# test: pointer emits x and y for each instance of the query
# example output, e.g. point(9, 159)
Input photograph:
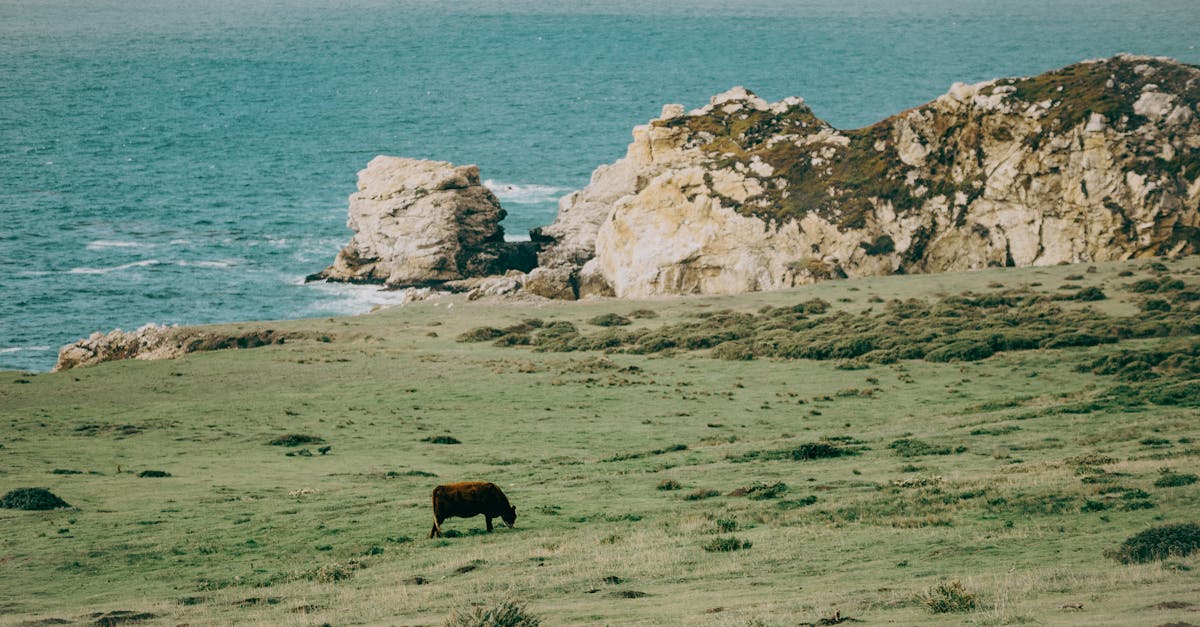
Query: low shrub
point(153, 473)
point(610, 320)
point(733, 351)
point(805, 452)
point(441, 439)
point(1173, 480)
point(1156, 304)
point(701, 493)
point(296, 439)
point(764, 491)
point(1089, 294)
point(668, 484)
point(962, 350)
point(947, 597)
point(32, 499)
point(504, 614)
point(480, 334)
point(721, 545)
point(643, 313)
point(908, 447)
point(1158, 543)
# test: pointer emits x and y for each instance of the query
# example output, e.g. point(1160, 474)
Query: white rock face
point(744, 195)
point(419, 222)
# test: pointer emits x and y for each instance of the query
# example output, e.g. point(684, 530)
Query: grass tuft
point(722, 545)
point(504, 614)
point(947, 597)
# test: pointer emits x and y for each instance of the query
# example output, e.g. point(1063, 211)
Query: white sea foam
point(124, 266)
point(516, 237)
point(226, 263)
point(17, 349)
point(104, 244)
point(350, 299)
point(518, 194)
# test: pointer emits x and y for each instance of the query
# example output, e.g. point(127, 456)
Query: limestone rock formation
point(420, 222)
point(1096, 161)
point(154, 341)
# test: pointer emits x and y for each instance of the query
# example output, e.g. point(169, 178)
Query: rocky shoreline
point(1097, 161)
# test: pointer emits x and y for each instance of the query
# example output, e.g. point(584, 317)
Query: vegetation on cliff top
point(844, 176)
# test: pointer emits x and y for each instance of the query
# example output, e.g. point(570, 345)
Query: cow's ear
point(514, 508)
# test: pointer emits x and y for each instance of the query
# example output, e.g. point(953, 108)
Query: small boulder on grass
point(32, 499)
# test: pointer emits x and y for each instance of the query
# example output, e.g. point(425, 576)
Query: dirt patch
point(32, 499)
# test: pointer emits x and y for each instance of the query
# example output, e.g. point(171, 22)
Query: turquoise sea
point(189, 162)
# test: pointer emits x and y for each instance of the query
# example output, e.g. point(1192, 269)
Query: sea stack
point(420, 222)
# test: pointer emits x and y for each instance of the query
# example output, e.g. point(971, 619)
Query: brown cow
point(470, 498)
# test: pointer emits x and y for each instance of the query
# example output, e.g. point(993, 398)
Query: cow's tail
point(437, 527)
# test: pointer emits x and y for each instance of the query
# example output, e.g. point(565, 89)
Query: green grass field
point(860, 481)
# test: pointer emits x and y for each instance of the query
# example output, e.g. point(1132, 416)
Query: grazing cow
point(470, 498)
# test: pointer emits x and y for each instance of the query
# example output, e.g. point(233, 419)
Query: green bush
point(668, 484)
point(908, 447)
point(764, 491)
point(1158, 543)
point(1089, 294)
point(1144, 285)
point(1156, 304)
point(720, 545)
point(503, 614)
point(33, 499)
point(701, 493)
point(643, 313)
point(610, 320)
point(733, 351)
point(480, 334)
point(296, 439)
point(1173, 480)
point(962, 350)
point(949, 596)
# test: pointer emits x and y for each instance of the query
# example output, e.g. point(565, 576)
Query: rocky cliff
point(422, 222)
point(1096, 161)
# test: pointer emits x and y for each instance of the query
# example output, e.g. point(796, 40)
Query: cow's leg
point(437, 528)
point(489, 522)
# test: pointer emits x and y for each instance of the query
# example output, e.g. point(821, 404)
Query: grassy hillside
point(851, 485)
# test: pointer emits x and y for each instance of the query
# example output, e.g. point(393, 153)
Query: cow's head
point(509, 517)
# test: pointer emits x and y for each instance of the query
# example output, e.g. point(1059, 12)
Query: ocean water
point(189, 162)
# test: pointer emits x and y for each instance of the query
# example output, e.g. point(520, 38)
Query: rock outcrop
point(1093, 162)
point(157, 342)
point(424, 222)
